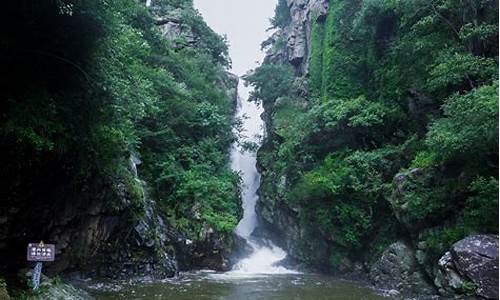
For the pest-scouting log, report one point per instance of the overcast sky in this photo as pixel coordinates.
(244, 22)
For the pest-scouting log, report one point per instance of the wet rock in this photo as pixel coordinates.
(241, 249)
(298, 34)
(397, 270)
(296, 37)
(52, 288)
(471, 266)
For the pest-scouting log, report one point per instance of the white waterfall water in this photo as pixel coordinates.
(245, 24)
(245, 162)
(265, 255)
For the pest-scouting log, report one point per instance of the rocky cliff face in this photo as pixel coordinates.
(289, 45)
(111, 226)
(295, 40)
(407, 265)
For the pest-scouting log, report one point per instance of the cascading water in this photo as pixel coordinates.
(245, 24)
(265, 255)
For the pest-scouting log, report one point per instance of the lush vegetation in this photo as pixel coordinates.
(407, 87)
(282, 16)
(89, 83)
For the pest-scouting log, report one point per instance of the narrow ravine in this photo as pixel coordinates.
(259, 275)
(251, 21)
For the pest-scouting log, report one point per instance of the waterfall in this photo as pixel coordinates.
(265, 254)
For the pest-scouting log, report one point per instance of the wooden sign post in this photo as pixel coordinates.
(40, 253)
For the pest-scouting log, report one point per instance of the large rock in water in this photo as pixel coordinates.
(470, 266)
(397, 270)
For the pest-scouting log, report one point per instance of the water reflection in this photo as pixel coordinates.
(216, 286)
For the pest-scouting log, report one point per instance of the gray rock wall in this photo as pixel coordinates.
(471, 267)
(297, 35)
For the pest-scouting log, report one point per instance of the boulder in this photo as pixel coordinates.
(241, 250)
(447, 278)
(397, 270)
(471, 266)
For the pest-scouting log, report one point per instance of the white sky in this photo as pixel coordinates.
(244, 22)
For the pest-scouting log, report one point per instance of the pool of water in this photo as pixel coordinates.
(206, 285)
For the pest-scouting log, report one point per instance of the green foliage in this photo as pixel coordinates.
(316, 58)
(93, 81)
(394, 87)
(206, 199)
(427, 196)
(336, 259)
(286, 117)
(270, 82)
(350, 113)
(279, 44)
(424, 159)
(453, 69)
(208, 42)
(343, 194)
(481, 213)
(469, 128)
(468, 287)
(282, 17)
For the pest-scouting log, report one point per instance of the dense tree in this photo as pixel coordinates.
(90, 83)
(394, 86)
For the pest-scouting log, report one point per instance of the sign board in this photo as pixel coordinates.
(41, 252)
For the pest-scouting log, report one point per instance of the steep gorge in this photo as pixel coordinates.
(379, 161)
